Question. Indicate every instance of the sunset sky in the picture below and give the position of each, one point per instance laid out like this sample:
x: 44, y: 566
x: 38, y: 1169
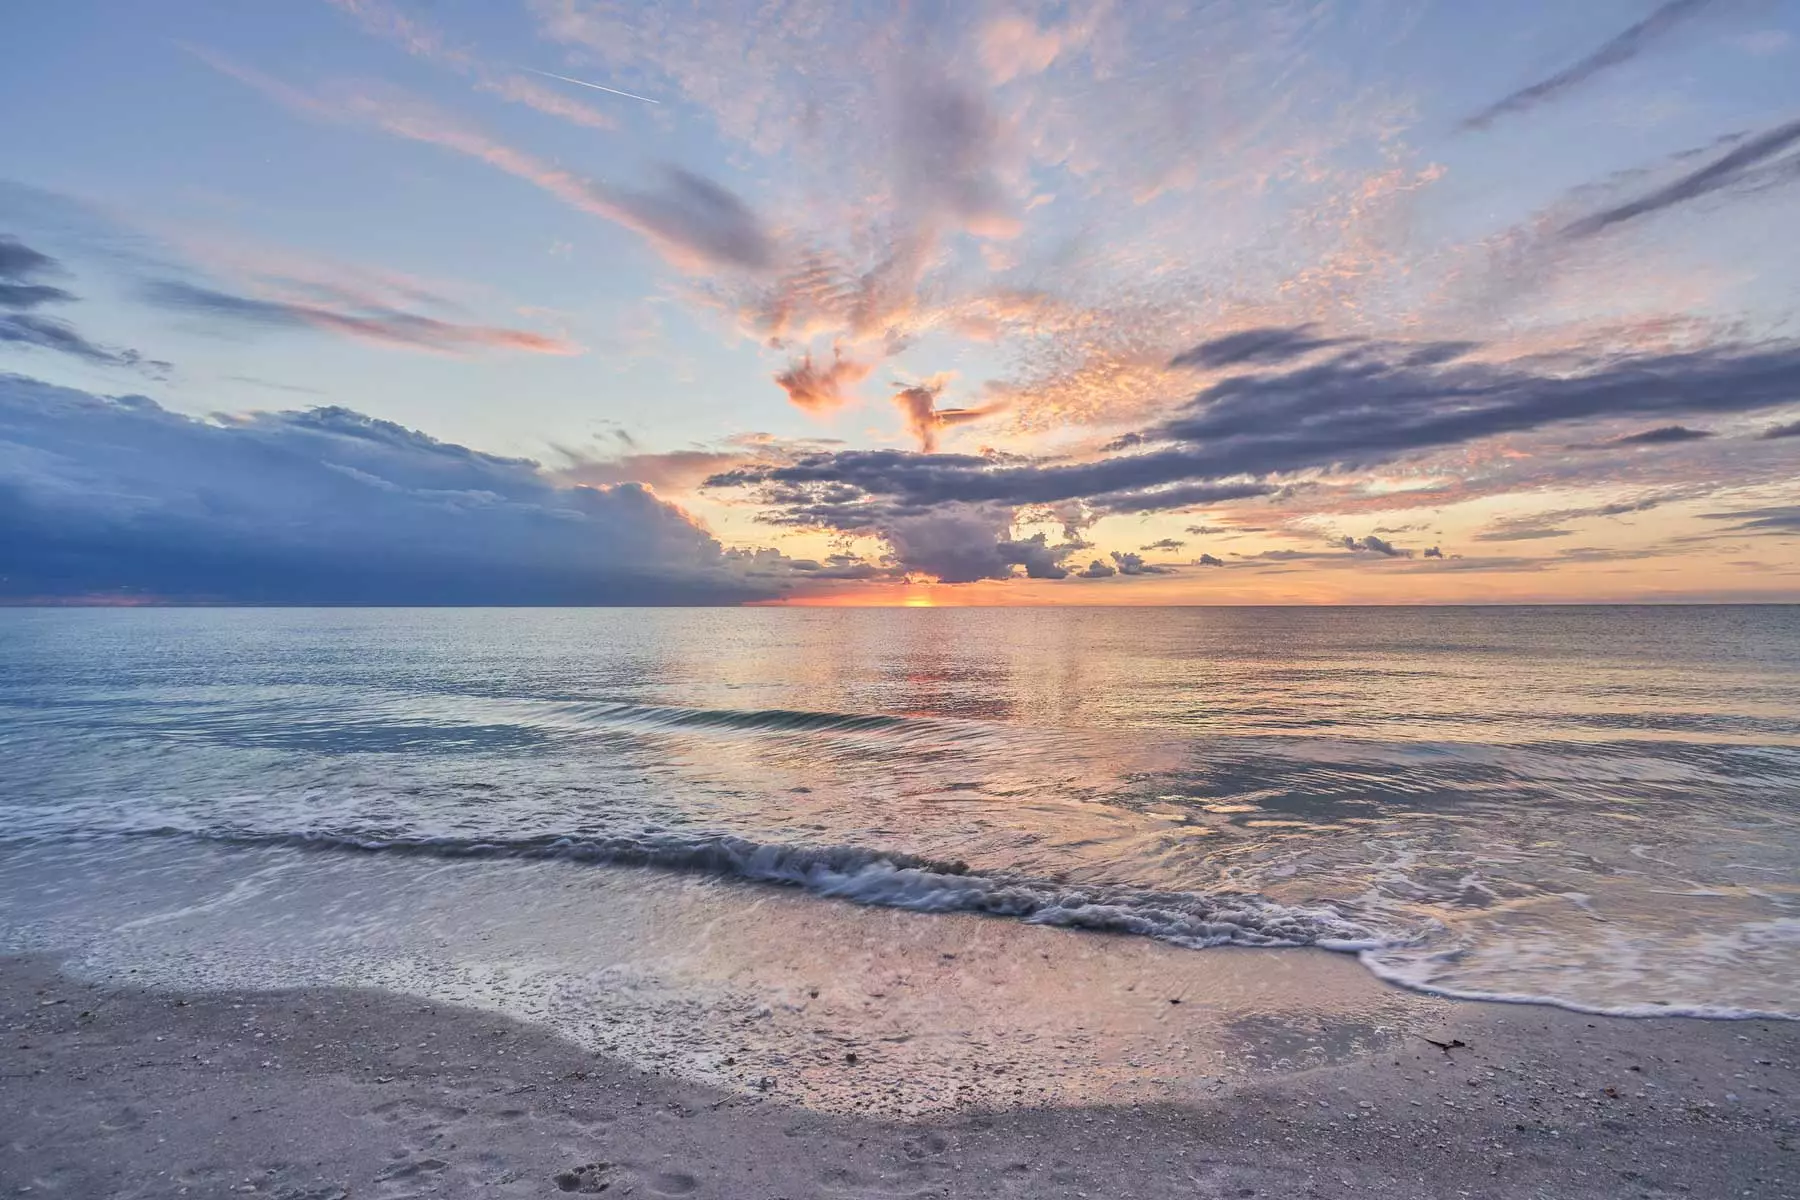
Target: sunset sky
x: 566, y: 301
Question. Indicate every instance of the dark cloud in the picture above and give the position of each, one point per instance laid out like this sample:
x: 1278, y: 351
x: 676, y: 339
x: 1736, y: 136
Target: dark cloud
x: 695, y: 218
x: 1375, y: 545
x: 841, y: 566
x: 948, y: 144
x: 1366, y: 406
x: 1791, y: 429
x: 1096, y: 570
x: 1207, y: 560
x: 46, y: 333
x: 1271, y: 344
x: 1185, y: 495
x: 21, y: 269
x: 117, y: 496
x: 1169, y: 544
x: 1225, y: 530
x: 957, y: 543
x: 1370, y: 405
x: 1433, y: 552
x: 20, y: 296
x: 1621, y: 48
x: 1134, y: 564
x: 1777, y: 519
x: 821, y: 389
x: 1745, y: 164
x: 388, y: 326
x: 20, y: 262
x: 1660, y: 436
x: 1529, y: 534
x: 1038, y: 556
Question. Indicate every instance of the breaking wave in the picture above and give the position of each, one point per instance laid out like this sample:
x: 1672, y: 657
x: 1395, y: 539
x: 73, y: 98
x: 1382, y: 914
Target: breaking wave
x: 892, y: 879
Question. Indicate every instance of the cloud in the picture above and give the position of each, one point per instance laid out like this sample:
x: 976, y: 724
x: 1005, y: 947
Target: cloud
x: 1038, y: 556
x: 19, y: 261
x: 1791, y: 429
x: 1621, y: 48
x: 1271, y: 344
x: 1224, y: 530
x: 383, y: 325
x: 1372, y: 404
x: 1011, y: 46
x: 1776, y: 519
x: 1375, y: 545
x: 948, y: 153
x: 1178, y: 497
x: 1096, y: 570
x: 1169, y: 544
x: 957, y: 543
x: 821, y: 389
x: 1745, y: 164
x: 694, y: 217
x: 1134, y: 564
x: 918, y: 405
x: 1660, y: 436
x: 423, y: 41
x: 1207, y: 560
x: 1433, y: 552
x: 21, y: 270
x: 118, y: 496
x: 694, y: 222
x: 20, y: 266
x: 1527, y: 534
x: 1545, y: 525
x: 672, y: 471
x: 1368, y: 405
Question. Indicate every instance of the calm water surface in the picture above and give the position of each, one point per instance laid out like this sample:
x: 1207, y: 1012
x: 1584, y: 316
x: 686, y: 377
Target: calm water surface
x: 1598, y: 807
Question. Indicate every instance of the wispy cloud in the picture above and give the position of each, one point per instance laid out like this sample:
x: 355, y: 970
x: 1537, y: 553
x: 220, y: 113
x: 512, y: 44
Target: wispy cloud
x: 387, y: 327
x: 424, y: 41
x: 22, y: 291
x: 692, y: 221
x: 1754, y: 161
x: 1621, y: 48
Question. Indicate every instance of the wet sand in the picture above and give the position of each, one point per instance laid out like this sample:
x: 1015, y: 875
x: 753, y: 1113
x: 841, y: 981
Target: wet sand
x: 113, y: 1090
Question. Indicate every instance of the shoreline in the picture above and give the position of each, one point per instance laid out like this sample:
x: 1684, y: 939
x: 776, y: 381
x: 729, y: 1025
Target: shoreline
x: 316, y: 1093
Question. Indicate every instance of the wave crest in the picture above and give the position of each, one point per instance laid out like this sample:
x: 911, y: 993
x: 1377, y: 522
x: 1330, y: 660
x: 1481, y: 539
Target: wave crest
x: 894, y: 879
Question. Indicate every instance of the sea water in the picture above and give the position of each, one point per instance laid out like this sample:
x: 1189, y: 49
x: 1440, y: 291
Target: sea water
x: 1594, y: 807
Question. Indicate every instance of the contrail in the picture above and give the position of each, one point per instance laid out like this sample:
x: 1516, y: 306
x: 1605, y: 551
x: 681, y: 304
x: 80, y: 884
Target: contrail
x: 598, y: 87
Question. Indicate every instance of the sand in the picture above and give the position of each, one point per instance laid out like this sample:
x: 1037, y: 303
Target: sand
x: 117, y: 1091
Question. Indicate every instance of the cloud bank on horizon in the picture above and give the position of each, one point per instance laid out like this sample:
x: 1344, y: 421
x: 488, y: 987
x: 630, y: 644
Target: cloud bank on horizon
x: 1010, y: 302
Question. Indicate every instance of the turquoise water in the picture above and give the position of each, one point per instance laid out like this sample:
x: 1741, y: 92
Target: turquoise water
x: 1594, y: 807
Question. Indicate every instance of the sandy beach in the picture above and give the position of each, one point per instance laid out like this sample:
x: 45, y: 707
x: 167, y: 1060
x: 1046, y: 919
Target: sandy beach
x: 317, y: 1093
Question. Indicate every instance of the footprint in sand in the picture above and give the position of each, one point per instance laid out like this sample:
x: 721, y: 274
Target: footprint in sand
x: 672, y: 1183
x: 428, y: 1115
x: 589, y: 1178
x: 910, y: 1182
x: 123, y: 1121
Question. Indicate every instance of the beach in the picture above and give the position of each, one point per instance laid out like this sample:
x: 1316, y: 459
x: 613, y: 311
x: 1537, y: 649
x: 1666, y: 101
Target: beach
x: 314, y: 1093
x: 198, y: 1021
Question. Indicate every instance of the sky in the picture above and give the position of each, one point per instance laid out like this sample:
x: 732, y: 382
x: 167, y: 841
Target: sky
x: 583, y: 302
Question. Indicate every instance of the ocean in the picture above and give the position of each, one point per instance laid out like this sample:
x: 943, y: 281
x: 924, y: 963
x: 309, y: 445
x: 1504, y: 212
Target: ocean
x: 1590, y: 807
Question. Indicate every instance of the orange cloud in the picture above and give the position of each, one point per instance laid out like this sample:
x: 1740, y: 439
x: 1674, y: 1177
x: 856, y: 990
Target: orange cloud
x: 819, y: 389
